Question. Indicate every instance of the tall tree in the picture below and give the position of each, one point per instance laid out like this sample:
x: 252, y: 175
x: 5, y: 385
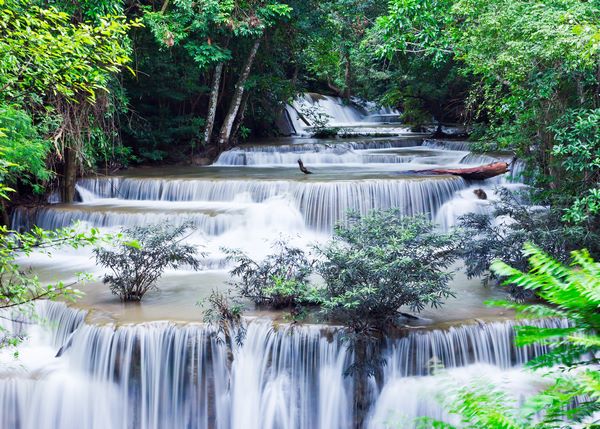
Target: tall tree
x: 56, y: 66
x: 207, y: 29
x: 535, y: 73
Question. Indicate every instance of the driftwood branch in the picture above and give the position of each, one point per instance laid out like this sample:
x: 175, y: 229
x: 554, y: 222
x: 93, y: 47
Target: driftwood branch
x: 303, y: 168
x: 481, y: 172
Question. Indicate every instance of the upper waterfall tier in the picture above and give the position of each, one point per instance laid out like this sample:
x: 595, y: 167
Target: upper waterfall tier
x: 330, y: 152
x: 404, y: 154
x: 162, y: 375
x: 213, y: 204
x: 356, y: 116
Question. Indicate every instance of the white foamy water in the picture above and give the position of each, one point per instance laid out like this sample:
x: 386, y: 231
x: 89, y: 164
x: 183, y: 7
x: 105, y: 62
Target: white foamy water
x: 162, y: 375
x: 355, y: 118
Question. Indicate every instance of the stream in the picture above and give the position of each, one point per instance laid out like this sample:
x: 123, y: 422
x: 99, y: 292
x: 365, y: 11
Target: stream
x: 100, y: 364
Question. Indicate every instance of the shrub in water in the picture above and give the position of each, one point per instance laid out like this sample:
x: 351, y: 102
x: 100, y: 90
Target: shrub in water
x: 381, y: 261
x: 137, y: 264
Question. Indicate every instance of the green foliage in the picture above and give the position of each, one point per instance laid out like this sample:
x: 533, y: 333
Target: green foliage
x: 5, y: 190
x: 534, y: 71
x: 374, y: 265
x: 204, y: 27
x: 502, y: 233
x: 23, y: 148
x: 416, y: 27
x: 138, y: 260
x: 57, y: 84
x: 573, y: 293
x: 280, y: 280
x: 45, y: 54
x: 333, y: 49
x: 165, y: 97
x: 577, y: 135
x: 407, y: 54
x: 532, y: 74
x: 224, y: 313
x: 381, y: 261
x: 482, y: 407
x: 584, y: 208
x: 19, y: 288
x: 573, y: 394
x: 215, y: 33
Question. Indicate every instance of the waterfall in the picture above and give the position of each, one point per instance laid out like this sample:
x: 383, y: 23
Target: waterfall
x: 447, y: 144
x: 341, y: 113
x: 159, y: 375
x: 53, y: 217
x: 466, y: 201
x: 478, y: 159
x: 405, y: 399
x: 133, y: 201
x: 317, y: 153
x: 240, y: 157
x: 56, y: 318
x: 163, y: 375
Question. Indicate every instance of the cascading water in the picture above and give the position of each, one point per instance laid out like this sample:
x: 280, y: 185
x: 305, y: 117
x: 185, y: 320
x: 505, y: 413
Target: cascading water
x: 356, y: 117
x: 163, y: 375
x: 320, y: 203
x: 447, y: 145
x: 336, y: 153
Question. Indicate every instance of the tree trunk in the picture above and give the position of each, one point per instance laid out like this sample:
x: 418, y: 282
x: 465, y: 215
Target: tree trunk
x: 347, y: 77
x: 5, y: 216
x: 69, y: 175
x: 236, y: 101
x: 239, y: 119
x: 338, y: 91
x: 212, y: 105
x: 474, y: 173
x: 361, y: 383
x: 295, y: 76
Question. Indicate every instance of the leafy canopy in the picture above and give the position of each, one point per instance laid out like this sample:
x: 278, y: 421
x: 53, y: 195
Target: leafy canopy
x: 532, y: 69
x: 577, y: 147
x: 205, y: 27
x: 23, y: 148
x: 44, y: 54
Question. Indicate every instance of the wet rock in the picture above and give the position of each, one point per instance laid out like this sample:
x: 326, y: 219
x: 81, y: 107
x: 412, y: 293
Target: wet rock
x: 480, y: 194
x: 200, y: 161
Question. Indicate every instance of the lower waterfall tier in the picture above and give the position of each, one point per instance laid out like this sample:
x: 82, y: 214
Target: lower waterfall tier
x: 163, y: 375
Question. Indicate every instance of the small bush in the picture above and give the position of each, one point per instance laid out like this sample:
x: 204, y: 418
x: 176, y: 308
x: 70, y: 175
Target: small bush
x: 281, y: 280
x: 381, y: 261
x: 502, y: 233
x: 320, y: 122
x: 224, y: 313
x: 137, y: 264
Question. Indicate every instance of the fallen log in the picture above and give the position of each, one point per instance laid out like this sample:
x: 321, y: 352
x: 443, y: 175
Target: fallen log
x: 481, y: 172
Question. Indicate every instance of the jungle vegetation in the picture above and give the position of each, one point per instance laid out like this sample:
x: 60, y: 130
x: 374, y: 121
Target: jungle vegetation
x: 101, y: 85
